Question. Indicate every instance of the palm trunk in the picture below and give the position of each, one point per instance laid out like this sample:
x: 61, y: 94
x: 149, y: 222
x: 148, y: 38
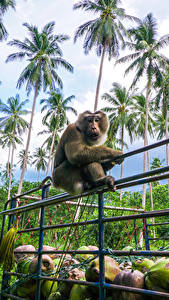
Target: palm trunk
x: 146, y: 141
x: 145, y: 153
x: 151, y: 194
x: 121, y: 172
x: 28, y: 141
x: 9, y: 153
x: 51, y: 150
x: 99, y: 78
x: 38, y: 175
x: 10, y: 173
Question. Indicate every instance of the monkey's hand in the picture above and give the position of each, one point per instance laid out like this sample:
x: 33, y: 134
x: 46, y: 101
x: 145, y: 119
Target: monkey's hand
x: 108, y: 165
x: 119, y: 160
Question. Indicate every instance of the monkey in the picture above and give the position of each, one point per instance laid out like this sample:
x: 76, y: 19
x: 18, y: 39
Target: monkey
x: 81, y: 159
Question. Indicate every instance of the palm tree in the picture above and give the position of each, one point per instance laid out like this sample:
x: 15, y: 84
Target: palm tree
x: 162, y: 102
x: 44, y: 57
x: 57, y: 107
x: 50, y: 128
x: 21, y: 156
x: 147, y: 61
x: 6, y: 141
x: 4, y: 6
x: 40, y: 160
x: 119, y: 114
x: 14, y: 124
x: 105, y: 33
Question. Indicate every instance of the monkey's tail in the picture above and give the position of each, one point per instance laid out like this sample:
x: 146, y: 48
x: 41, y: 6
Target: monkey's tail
x: 44, y: 181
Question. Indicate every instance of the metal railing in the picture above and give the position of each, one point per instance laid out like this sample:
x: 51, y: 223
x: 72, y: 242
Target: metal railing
x: 100, y: 222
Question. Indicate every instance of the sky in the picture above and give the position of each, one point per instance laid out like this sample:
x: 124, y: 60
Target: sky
x: 82, y: 83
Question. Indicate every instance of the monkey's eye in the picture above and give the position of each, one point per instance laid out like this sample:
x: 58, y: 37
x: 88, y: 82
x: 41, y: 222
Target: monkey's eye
x: 96, y: 119
x: 90, y: 120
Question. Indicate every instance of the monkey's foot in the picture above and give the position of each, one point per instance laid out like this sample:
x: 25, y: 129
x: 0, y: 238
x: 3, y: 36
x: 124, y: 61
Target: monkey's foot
x: 87, y: 186
x: 110, y: 182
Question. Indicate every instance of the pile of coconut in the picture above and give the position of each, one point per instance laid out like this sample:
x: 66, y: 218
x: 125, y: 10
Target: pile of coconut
x: 143, y: 274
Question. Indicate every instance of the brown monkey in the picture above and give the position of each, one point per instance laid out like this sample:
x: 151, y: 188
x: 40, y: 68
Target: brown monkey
x: 80, y: 155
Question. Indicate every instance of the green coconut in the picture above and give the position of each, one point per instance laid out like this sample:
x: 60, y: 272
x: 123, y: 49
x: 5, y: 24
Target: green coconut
x: 84, y: 256
x: 111, y: 270
x: 49, y: 287
x: 27, y: 290
x: 23, y: 265
x: 158, y: 274
x: 153, y: 287
x: 55, y: 296
x: 127, y: 248
x: 78, y: 292
x: 142, y: 265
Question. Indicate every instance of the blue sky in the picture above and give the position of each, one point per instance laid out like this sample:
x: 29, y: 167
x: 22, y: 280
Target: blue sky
x: 82, y: 83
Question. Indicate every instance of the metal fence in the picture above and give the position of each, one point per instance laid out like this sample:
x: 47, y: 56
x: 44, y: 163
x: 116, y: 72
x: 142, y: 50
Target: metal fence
x: 10, y: 212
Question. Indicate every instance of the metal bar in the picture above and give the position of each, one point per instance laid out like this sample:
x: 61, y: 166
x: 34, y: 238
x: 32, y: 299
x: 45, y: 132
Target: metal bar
x: 136, y: 290
x: 146, y: 234
x: 106, y: 206
x: 143, y: 175
x: 150, y: 214
x: 158, y: 224
x: 10, y: 296
x: 157, y: 213
x: 42, y: 214
x: 143, y: 149
x: 65, y: 197
x: 160, y: 238
x: 106, y: 252
x: 5, y: 277
x: 135, y: 234
x: 101, y: 248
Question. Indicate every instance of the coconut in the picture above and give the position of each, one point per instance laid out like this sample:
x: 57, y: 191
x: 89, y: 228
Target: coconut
x: 23, y: 265
x: 49, y: 248
x: 49, y: 287
x: 132, y: 279
x: 111, y: 270
x: 27, y: 290
x: 23, y: 255
x: 55, y: 296
x: 158, y: 274
x: 142, y: 265
x: 150, y: 286
x: 78, y: 292
x: 84, y: 256
x: 47, y: 265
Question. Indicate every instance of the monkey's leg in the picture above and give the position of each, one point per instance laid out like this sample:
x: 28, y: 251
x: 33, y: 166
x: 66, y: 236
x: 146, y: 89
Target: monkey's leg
x: 95, y: 174
x: 68, y: 177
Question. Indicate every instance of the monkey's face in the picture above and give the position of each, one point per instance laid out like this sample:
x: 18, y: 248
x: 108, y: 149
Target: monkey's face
x: 93, y: 126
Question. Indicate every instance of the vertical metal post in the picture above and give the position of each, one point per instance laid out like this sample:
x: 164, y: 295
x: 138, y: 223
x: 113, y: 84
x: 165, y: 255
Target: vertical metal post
x: 42, y: 214
x: 5, y: 277
x: 135, y: 233
x: 146, y: 234
x: 101, y: 248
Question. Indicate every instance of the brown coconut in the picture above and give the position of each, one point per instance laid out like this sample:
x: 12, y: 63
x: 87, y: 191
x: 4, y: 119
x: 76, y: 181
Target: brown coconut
x: 47, y: 265
x: 132, y: 279
x: 23, y: 255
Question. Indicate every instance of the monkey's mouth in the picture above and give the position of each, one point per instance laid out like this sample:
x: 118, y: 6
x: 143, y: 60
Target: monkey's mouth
x: 93, y: 136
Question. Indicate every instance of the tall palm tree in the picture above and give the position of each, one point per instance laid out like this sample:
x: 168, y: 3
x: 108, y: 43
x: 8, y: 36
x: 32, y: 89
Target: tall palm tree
x: 57, y: 107
x: 162, y: 102
x: 6, y: 141
x: 4, y: 6
x: 147, y: 60
x: 139, y: 116
x: 119, y: 114
x: 51, y: 141
x: 40, y: 160
x: 44, y: 57
x: 105, y: 33
x: 13, y: 123
x: 21, y: 156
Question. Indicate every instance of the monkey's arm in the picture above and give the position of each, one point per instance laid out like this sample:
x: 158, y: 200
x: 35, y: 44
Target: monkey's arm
x: 81, y: 154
